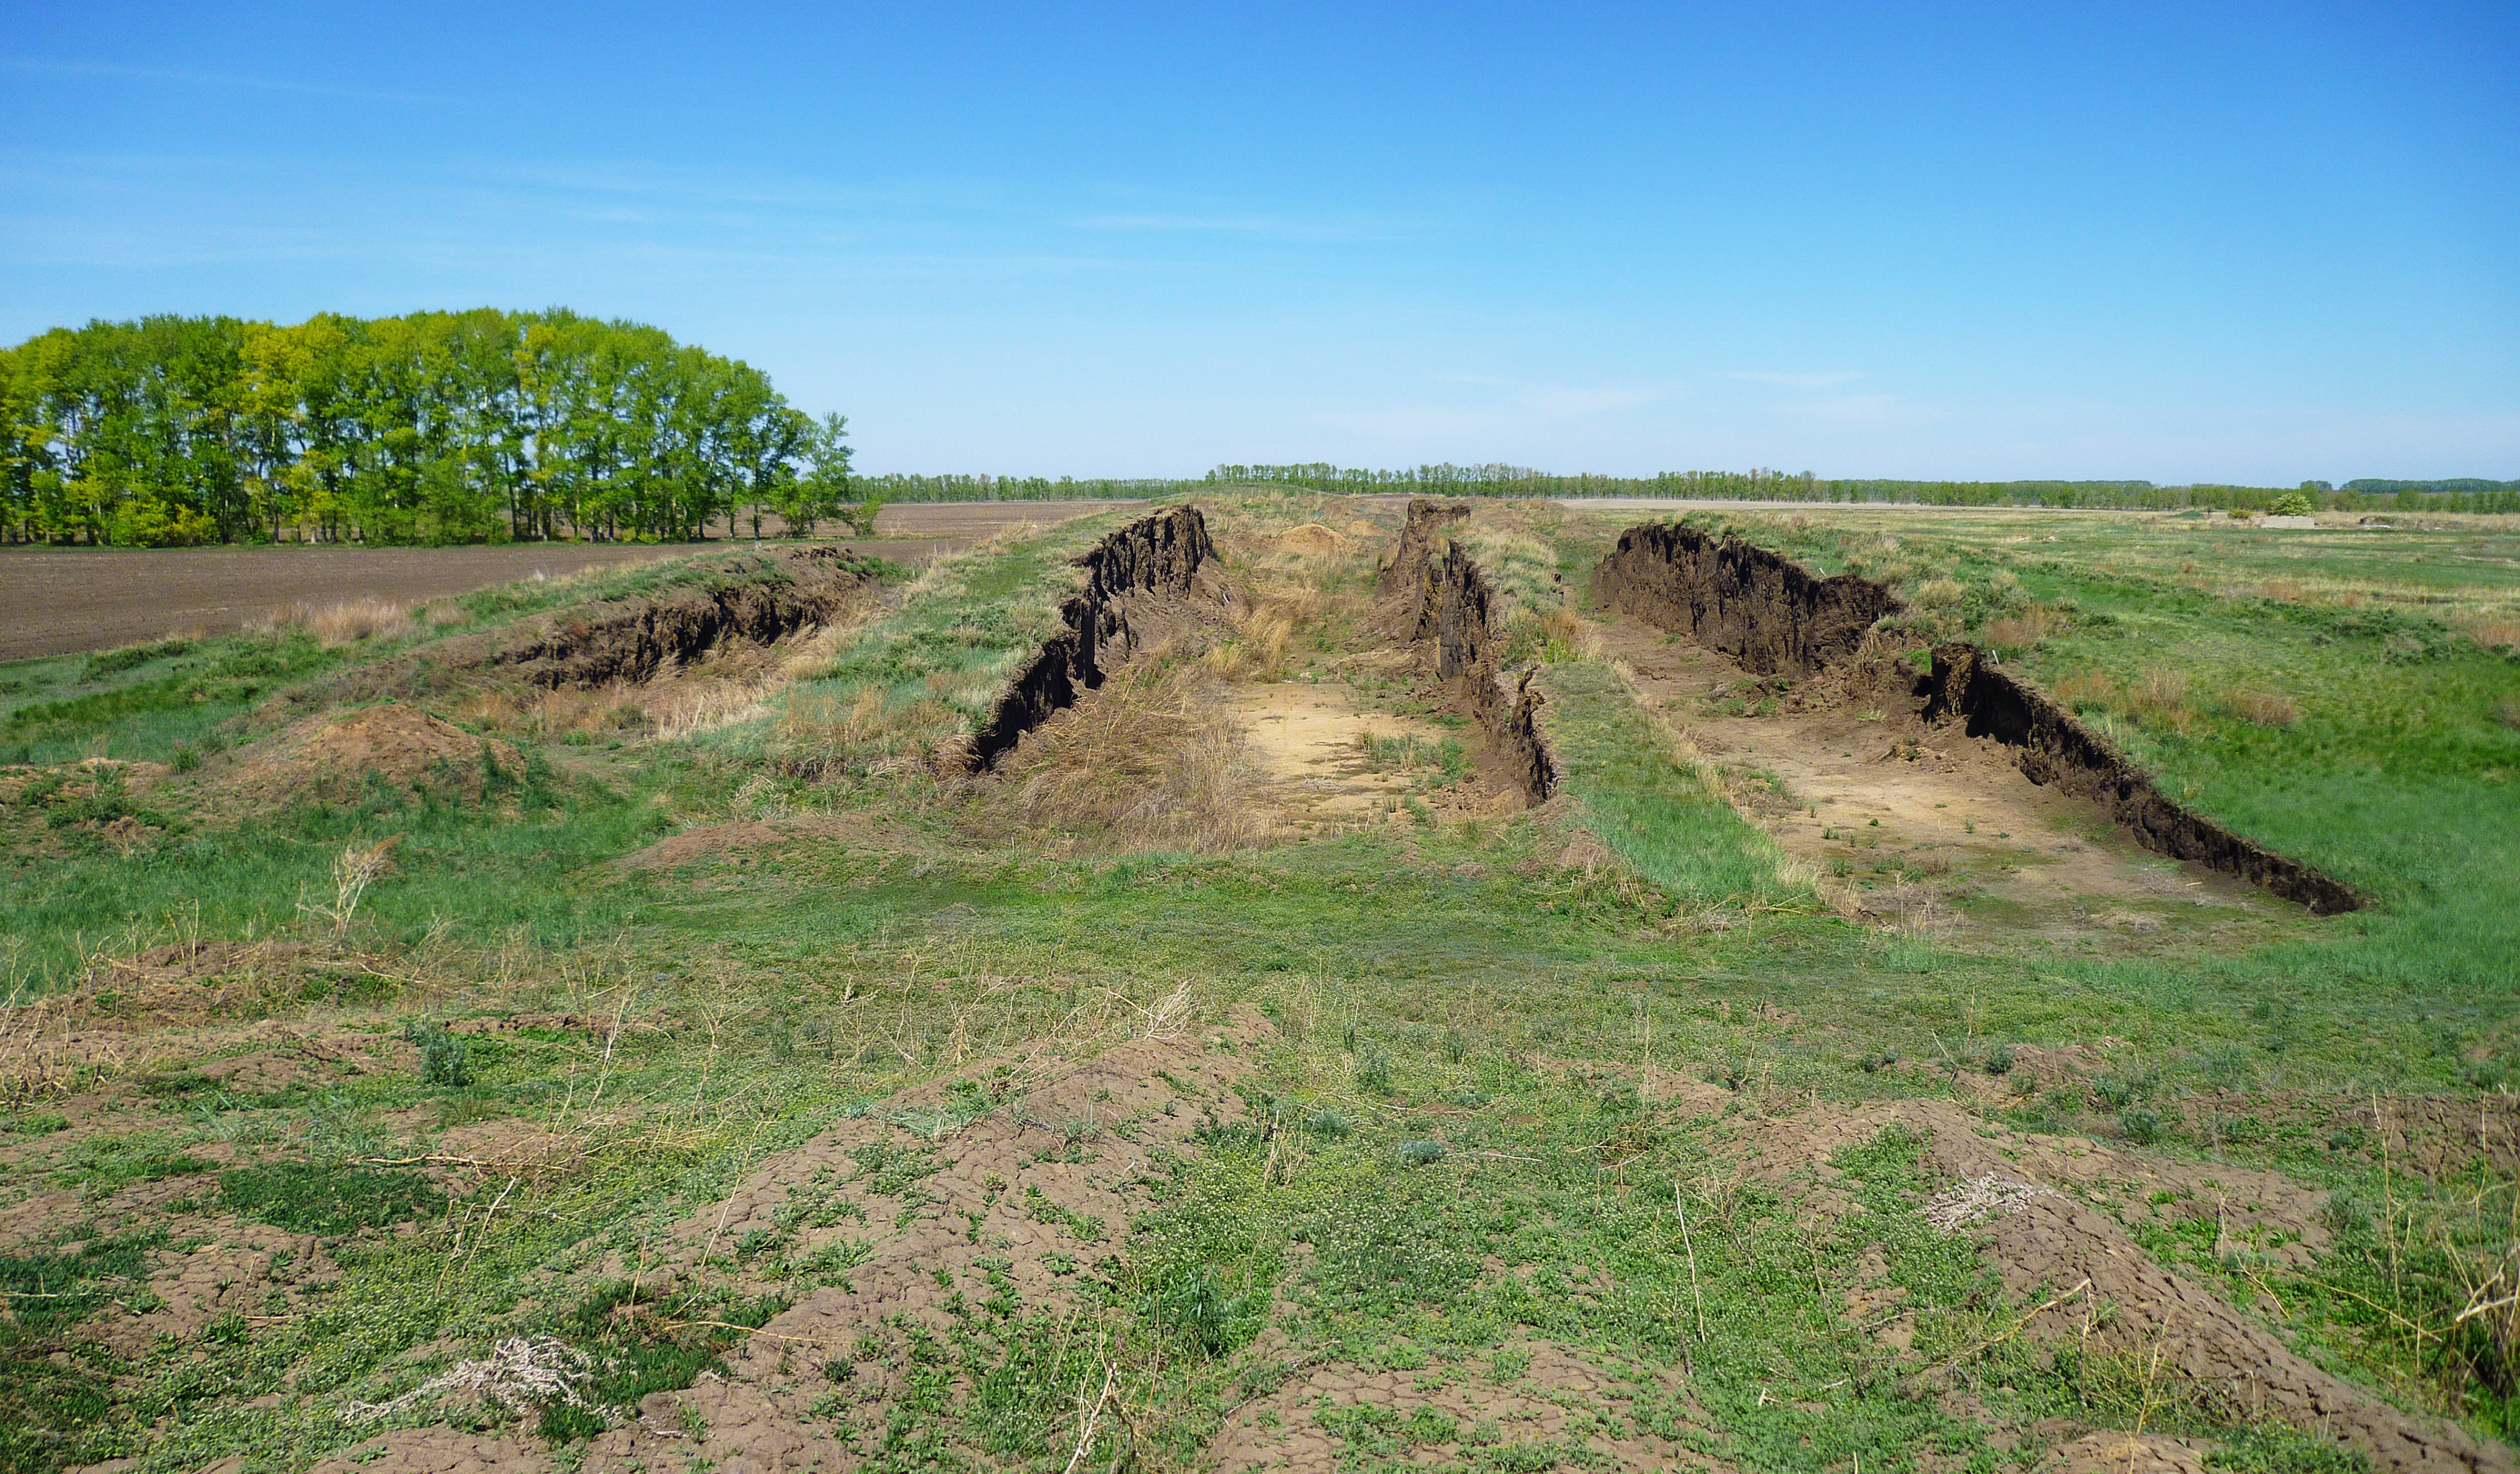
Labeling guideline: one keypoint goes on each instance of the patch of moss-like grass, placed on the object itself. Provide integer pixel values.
(308, 1197)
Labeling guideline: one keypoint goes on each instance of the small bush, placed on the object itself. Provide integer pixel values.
(1374, 1075)
(2294, 504)
(2140, 1126)
(1422, 1153)
(1327, 1124)
(445, 1058)
(1999, 1060)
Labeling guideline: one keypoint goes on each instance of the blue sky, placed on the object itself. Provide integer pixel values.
(2184, 243)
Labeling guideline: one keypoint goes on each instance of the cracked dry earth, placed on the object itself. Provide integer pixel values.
(1035, 1191)
(1955, 810)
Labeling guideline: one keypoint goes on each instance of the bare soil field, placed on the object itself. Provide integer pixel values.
(58, 600)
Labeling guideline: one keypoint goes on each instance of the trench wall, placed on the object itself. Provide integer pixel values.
(2052, 746)
(1764, 611)
(1154, 558)
(1770, 614)
(1451, 605)
(632, 639)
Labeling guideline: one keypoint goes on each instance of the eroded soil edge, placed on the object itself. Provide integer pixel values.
(1770, 614)
(1449, 601)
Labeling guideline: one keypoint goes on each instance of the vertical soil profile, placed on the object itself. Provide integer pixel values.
(1445, 599)
(1128, 577)
(1769, 614)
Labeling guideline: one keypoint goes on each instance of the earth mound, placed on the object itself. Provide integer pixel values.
(402, 745)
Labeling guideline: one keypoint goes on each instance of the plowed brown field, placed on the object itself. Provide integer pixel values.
(56, 601)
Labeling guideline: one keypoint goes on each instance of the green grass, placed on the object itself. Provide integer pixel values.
(1663, 819)
(1476, 1054)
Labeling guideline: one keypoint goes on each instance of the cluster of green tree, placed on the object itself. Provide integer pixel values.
(435, 427)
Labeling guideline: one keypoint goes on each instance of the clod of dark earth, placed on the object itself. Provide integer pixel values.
(1768, 614)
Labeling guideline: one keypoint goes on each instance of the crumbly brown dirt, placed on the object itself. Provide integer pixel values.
(1954, 811)
(438, 1451)
(2115, 1452)
(1044, 1184)
(1562, 1398)
(1437, 597)
(332, 756)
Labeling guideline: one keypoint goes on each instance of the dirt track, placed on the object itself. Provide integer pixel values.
(57, 601)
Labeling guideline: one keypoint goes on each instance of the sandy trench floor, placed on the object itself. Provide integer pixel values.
(1307, 740)
(1865, 784)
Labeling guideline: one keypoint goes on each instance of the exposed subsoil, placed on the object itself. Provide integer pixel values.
(1770, 616)
(1966, 691)
(1139, 582)
(1309, 741)
(1763, 611)
(55, 601)
(632, 639)
(1444, 602)
(1971, 842)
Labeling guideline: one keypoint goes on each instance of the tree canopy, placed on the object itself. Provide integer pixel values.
(435, 427)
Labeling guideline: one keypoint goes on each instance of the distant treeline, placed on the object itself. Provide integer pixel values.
(1780, 486)
(435, 427)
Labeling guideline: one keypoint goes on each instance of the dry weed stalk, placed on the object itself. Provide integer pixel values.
(354, 869)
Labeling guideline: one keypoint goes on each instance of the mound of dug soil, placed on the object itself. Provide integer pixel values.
(1770, 616)
(332, 757)
(2095, 1284)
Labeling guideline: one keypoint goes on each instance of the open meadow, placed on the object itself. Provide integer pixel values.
(1294, 982)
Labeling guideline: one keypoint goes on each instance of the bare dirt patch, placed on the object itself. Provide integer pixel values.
(1537, 1400)
(1327, 759)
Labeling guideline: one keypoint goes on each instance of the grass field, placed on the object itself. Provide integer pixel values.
(736, 1080)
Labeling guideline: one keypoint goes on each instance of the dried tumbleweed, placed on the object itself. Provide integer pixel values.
(520, 1372)
(1978, 1200)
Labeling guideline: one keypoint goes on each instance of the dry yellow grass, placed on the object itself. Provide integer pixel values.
(2159, 699)
(2090, 688)
(2022, 628)
(2262, 708)
(1148, 762)
(2495, 634)
(354, 619)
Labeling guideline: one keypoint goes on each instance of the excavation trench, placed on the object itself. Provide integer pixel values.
(1449, 603)
(1771, 616)
(632, 639)
(1137, 581)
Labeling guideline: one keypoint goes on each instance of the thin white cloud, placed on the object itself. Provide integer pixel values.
(1554, 403)
(1796, 381)
(211, 79)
